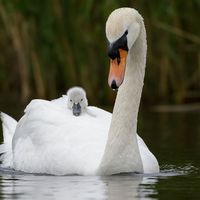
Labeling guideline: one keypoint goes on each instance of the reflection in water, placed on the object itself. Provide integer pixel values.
(119, 187)
(128, 187)
(18, 185)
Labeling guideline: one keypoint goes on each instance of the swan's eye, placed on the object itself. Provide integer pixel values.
(81, 99)
(126, 32)
(70, 100)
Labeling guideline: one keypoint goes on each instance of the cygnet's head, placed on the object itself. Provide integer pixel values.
(77, 100)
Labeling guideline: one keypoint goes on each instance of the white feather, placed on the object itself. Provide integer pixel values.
(9, 126)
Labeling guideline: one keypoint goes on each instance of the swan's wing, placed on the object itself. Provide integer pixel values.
(97, 112)
(9, 125)
(150, 163)
(50, 139)
(41, 116)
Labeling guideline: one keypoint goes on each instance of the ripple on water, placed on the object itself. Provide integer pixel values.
(173, 170)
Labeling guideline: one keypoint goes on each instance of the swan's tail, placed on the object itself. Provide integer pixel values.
(9, 125)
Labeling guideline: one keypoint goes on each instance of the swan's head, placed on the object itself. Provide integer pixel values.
(77, 100)
(122, 30)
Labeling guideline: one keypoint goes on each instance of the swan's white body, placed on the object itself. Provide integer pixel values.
(49, 139)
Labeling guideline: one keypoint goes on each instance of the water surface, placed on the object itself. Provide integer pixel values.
(173, 137)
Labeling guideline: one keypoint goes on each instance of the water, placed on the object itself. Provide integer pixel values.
(173, 137)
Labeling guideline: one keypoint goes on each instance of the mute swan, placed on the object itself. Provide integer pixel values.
(48, 139)
(77, 100)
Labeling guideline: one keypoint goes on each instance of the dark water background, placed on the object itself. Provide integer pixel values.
(173, 137)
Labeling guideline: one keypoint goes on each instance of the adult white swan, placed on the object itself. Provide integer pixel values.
(49, 139)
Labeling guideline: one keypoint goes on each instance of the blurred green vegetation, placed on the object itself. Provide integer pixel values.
(48, 46)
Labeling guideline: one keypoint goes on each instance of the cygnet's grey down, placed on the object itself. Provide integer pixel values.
(77, 100)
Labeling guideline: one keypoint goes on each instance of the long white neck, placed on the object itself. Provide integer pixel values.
(122, 153)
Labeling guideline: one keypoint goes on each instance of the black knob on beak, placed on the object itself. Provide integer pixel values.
(113, 52)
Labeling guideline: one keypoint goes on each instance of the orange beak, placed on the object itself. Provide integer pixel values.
(117, 70)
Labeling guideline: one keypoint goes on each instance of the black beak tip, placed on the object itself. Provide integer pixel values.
(114, 85)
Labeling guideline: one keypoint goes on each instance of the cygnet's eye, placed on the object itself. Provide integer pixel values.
(81, 99)
(70, 100)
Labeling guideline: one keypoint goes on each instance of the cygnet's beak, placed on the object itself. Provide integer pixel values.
(76, 108)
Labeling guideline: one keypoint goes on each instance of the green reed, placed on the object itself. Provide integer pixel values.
(49, 46)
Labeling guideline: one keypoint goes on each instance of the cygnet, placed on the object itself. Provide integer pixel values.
(77, 100)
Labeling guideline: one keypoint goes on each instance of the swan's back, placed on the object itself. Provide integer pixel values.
(49, 139)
